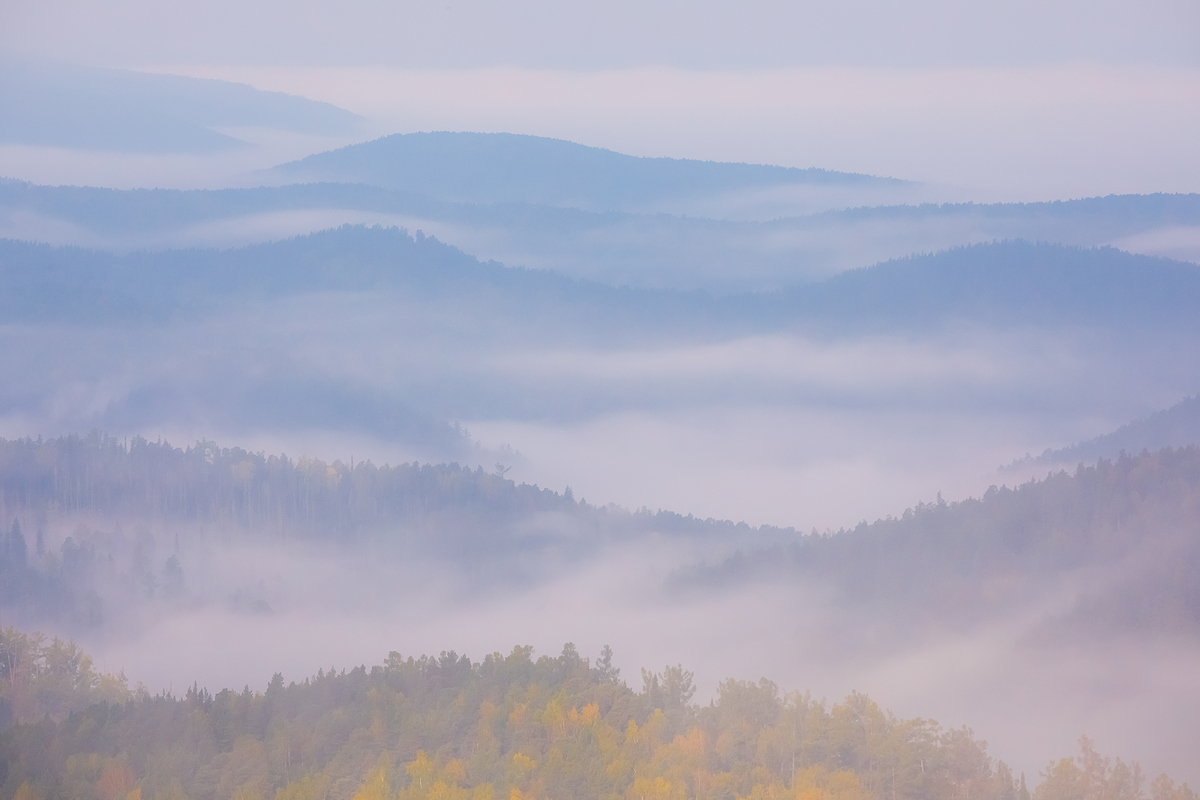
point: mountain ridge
(999, 284)
(616, 247)
(1177, 426)
(55, 104)
(467, 166)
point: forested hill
(1126, 531)
(48, 284)
(507, 167)
(85, 516)
(45, 283)
(449, 728)
(272, 495)
(1005, 284)
(1133, 524)
(999, 285)
(1177, 426)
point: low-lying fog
(780, 429)
(656, 251)
(264, 148)
(1030, 700)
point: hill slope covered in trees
(1133, 524)
(1177, 426)
(1128, 530)
(448, 728)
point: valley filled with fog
(283, 395)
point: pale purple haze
(970, 101)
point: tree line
(512, 726)
(138, 478)
(1137, 514)
(123, 513)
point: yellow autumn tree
(378, 783)
(818, 783)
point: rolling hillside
(512, 168)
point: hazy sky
(1022, 100)
(619, 33)
(1045, 132)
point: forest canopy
(508, 726)
(95, 525)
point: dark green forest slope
(448, 728)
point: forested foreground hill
(96, 526)
(447, 728)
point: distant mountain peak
(510, 167)
(54, 104)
